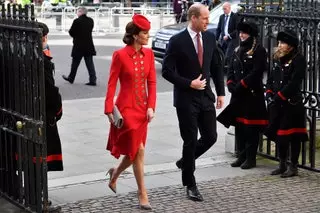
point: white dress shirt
(193, 36)
(226, 25)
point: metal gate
(23, 170)
(303, 16)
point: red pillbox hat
(142, 22)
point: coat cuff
(269, 91)
(243, 83)
(229, 82)
(59, 112)
(282, 96)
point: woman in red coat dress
(134, 66)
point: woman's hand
(110, 117)
(150, 114)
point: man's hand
(198, 83)
(220, 102)
(225, 38)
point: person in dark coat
(246, 110)
(226, 32)
(81, 32)
(53, 108)
(287, 115)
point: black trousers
(90, 66)
(283, 148)
(200, 115)
(247, 140)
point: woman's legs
(251, 147)
(295, 152)
(138, 169)
(124, 164)
(240, 146)
(283, 148)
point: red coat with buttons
(137, 76)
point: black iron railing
(304, 17)
(23, 170)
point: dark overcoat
(53, 114)
(287, 115)
(247, 105)
(81, 32)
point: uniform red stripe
(244, 83)
(57, 157)
(54, 158)
(282, 96)
(292, 131)
(269, 91)
(230, 81)
(59, 111)
(254, 122)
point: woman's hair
(278, 53)
(254, 44)
(131, 30)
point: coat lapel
(191, 48)
(204, 46)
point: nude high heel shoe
(146, 206)
(110, 174)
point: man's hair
(226, 4)
(194, 10)
(82, 10)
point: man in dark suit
(81, 32)
(226, 31)
(191, 59)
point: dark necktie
(225, 19)
(200, 50)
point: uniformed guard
(53, 108)
(246, 110)
(287, 115)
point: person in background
(287, 115)
(247, 109)
(53, 110)
(213, 4)
(134, 67)
(83, 47)
(227, 33)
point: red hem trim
(291, 131)
(252, 122)
(50, 158)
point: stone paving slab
(250, 193)
(6, 207)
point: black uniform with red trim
(247, 105)
(287, 121)
(53, 114)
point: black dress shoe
(237, 163)
(67, 79)
(179, 164)
(91, 84)
(248, 164)
(194, 194)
